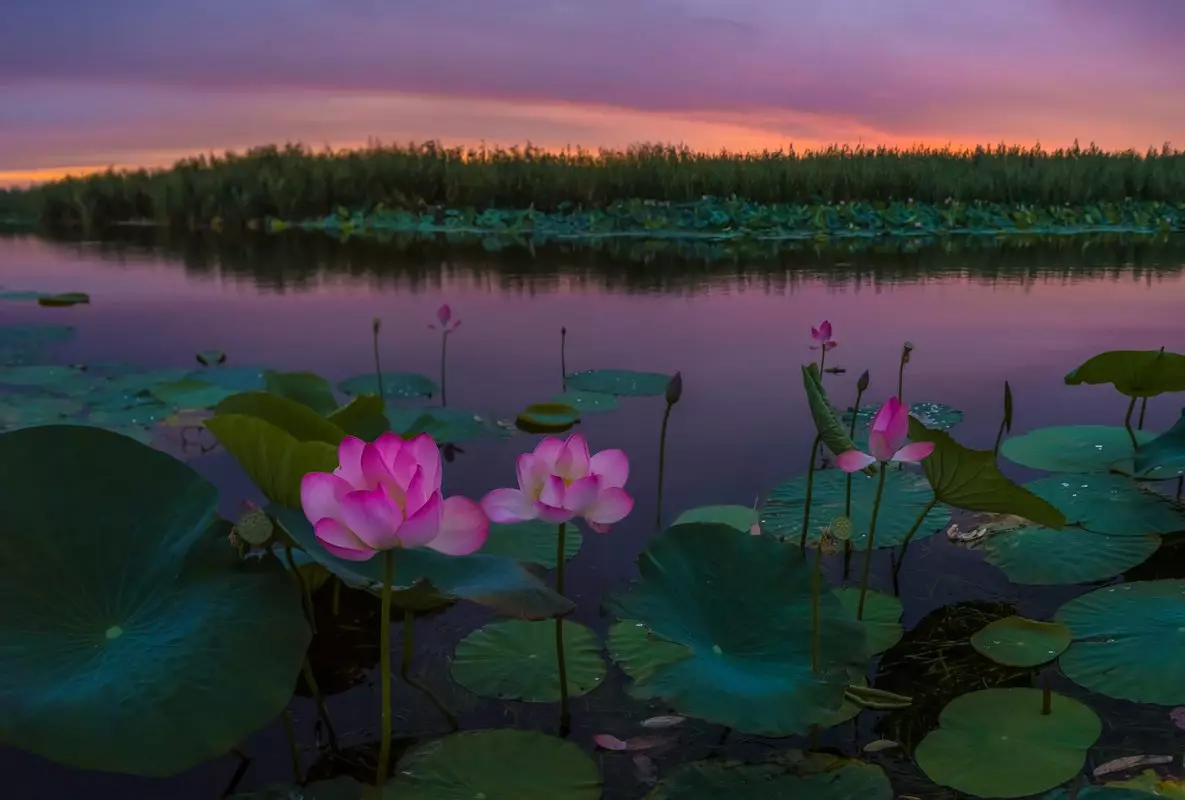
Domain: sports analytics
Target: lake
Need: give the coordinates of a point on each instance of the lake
(737, 328)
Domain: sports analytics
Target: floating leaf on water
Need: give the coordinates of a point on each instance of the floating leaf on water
(1074, 449)
(395, 384)
(364, 416)
(516, 660)
(496, 764)
(26, 410)
(1110, 504)
(588, 402)
(1018, 642)
(1135, 373)
(882, 617)
(664, 721)
(1033, 555)
(445, 425)
(238, 379)
(700, 586)
(906, 495)
(158, 599)
(36, 375)
(880, 745)
(24, 342)
(743, 518)
(1166, 453)
(1129, 762)
(275, 460)
(306, 388)
(970, 480)
(1148, 783)
(533, 542)
(502, 584)
(190, 394)
(64, 299)
(833, 432)
(209, 358)
(810, 777)
(619, 382)
(871, 697)
(296, 419)
(997, 743)
(607, 741)
(1127, 641)
(547, 418)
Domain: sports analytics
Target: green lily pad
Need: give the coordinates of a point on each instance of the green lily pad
(800, 777)
(306, 388)
(1072, 448)
(24, 410)
(619, 382)
(19, 296)
(515, 660)
(190, 394)
(364, 417)
(294, 418)
(395, 384)
(162, 620)
(1110, 504)
(700, 587)
(24, 342)
(1129, 641)
(238, 379)
(1135, 373)
(906, 495)
(275, 460)
(997, 743)
(833, 433)
(1165, 453)
(533, 541)
(343, 787)
(443, 424)
(882, 617)
(500, 583)
(588, 402)
(36, 375)
(1018, 642)
(743, 518)
(1034, 555)
(970, 480)
(496, 765)
(64, 299)
(548, 418)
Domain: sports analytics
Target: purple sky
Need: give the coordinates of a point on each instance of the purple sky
(85, 84)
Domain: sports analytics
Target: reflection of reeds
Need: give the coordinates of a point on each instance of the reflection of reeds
(294, 183)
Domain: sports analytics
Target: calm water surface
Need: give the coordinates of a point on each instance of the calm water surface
(738, 331)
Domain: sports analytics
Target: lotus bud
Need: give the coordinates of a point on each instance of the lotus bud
(674, 389)
(862, 383)
(906, 349)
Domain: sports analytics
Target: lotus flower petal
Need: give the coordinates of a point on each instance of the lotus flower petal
(444, 314)
(321, 495)
(612, 505)
(581, 494)
(573, 463)
(508, 505)
(373, 517)
(892, 422)
(853, 460)
(913, 453)
(547, 453)
(613, 466)
(422, 527)
(338, 540)
(349, 462)
(825, 331)
(463, 527)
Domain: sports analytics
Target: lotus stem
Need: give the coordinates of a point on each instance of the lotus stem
(876, 507)
(901, 374)
(816, 588)
(561, 663)
(917, 524)
(1180, 486)
(810, 487)
(1046, 697)
(306, 599)
(293, 747)
(337, 595)
(443, 360)
(662, 460)
(847, 500)
(240, 772)
(822, 360)
(306, 671)
(409, 619)
(563, 359)
(1127, 423)
(378, 369)
(1143, 408)
(385, 666)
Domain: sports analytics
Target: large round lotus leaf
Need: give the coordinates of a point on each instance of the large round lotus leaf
(450, 425)
(1129, 641)
(238, 378)
(882, 617)
(1164, 456)
(534, 542)
(619, 382)
(701, 587)
(496, 765)
(36, 375)
(809, 777)
(588, 402)
(997, 743)
(515, 660)
(395, 384)
(743, 518)
(127, 610)
(1018, 642)
(500, 583)
(1110, 504)
(905, 496)
(1034, 555)
(26, 410)
(936, 416)
(190, 393)
(1072, 448)
(306, 388)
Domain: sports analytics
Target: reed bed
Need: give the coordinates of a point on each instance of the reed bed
(296, 183)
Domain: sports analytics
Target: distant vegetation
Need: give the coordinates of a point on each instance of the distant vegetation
(294, 183)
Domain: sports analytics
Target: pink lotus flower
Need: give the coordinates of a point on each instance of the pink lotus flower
(888, 441)
(443, 315)
(386, 494)
(821, 336)
(560, 481)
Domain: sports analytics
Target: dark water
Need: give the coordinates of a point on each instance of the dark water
(736, 326)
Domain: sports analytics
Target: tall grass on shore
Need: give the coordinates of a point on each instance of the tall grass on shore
(296, 183)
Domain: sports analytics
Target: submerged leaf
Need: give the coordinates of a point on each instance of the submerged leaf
(743, 518)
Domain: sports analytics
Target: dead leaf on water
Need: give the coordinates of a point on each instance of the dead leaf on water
(879, 745)
(1130, 762)
(666, 721)
(646, 769)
